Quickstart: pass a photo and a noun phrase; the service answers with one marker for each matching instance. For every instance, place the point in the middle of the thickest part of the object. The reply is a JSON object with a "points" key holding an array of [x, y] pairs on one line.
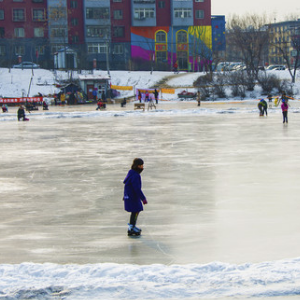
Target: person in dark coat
{"points": [[134, 198], [21, 114], [156, 96]]}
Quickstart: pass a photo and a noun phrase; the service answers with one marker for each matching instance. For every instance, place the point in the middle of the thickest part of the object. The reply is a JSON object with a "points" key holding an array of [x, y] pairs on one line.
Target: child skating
{"points": [[133, 195], [284, 108]]}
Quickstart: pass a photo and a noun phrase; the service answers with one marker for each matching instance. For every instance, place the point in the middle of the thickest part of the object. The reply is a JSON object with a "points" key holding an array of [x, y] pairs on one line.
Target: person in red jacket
{"points": [[134, 198]]}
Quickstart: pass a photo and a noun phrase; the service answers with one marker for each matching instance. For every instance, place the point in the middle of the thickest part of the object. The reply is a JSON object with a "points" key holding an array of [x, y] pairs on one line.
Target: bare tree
{"points": [[250, 36]]}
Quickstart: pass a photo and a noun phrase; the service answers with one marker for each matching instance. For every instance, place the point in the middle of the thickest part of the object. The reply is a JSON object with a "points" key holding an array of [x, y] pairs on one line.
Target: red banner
{"points": [[21, 100]]}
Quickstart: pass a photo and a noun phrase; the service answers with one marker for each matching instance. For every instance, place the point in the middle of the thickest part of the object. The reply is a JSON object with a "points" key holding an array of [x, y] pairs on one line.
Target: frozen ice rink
{"points": [[222, 184]]}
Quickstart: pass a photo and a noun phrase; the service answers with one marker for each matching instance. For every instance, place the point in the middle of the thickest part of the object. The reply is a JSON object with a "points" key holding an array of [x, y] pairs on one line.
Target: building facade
{"points": [[119, 34], [284, 43]]}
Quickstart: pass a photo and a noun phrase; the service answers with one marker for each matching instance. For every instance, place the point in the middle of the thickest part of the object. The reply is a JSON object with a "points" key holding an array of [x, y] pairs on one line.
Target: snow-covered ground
{"points": [[222, 184], [16, 83]]}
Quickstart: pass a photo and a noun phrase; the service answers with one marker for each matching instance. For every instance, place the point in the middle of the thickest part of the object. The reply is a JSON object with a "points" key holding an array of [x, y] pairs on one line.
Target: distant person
{"points": [[21, 114], [133, 195], [57, 99], [103, 96], [45, 105], [63, 98], [95, 94], [156, 96], [123, 103], [199, 98], [151, 104], [263, 107], [147, 97], [4, 108], [270, 97], [71, 99], [175, 67], [99, 104], [284, 108], [140, 96]]}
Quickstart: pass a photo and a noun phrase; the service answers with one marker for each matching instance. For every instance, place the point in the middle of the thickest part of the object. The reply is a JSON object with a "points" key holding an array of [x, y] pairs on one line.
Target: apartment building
{"points": [[284, 42], [124, 34]]}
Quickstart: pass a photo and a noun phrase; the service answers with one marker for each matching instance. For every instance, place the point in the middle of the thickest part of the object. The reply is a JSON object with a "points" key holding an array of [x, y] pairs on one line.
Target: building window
{"points": [[38, 32], [57, 13], [161, 56], [37, 1], [160, 46], [97, 13], [182, 37], [160, 37], [18, 15], [97, 31], [199, 14], [97, 48], [118, 14], [74, 22], [2, 50], [199, 0], [118, 31], [142, 13], [118, 49], [75, 39], [117, 0], [58, 33], [1, 14], [182, 13], [38, 15], [73, 4], [19, 32], [2, 32], [161, 4], [19, 50]]}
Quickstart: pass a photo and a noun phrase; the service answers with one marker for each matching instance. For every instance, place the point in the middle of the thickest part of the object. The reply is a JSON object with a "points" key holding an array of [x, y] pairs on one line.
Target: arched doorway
{"points": [[161, 53]]}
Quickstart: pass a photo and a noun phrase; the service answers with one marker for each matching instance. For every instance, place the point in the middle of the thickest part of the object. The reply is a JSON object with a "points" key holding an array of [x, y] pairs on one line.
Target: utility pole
{"points": [[107, 58], [172, 46]]}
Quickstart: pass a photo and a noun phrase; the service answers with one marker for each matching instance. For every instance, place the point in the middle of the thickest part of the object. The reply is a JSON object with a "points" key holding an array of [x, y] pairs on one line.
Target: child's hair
{"points": [[136, 162]]}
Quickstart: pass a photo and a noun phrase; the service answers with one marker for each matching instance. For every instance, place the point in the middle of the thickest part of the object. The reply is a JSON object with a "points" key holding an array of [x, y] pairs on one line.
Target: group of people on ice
{"points": [[263, 106]]}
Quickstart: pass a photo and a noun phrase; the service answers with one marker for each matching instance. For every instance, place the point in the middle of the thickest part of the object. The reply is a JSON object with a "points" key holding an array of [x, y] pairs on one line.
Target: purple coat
{"points": [[133, 195], [284, 106]]}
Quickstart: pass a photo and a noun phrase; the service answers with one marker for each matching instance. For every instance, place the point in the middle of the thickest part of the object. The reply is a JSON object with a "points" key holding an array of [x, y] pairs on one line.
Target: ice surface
{"points": [[222, 220]]}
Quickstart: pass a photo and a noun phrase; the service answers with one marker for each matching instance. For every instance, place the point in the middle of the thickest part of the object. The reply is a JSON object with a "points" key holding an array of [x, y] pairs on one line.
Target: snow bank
{"points": [[117, 281]]}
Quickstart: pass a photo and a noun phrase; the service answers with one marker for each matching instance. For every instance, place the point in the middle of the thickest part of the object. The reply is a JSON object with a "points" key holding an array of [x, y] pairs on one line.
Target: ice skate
{"points": [[133, 231]]}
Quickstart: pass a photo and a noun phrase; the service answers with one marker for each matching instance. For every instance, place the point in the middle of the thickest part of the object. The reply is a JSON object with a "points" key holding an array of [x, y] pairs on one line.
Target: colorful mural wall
{"points": [[189, 47], [218, 33]]}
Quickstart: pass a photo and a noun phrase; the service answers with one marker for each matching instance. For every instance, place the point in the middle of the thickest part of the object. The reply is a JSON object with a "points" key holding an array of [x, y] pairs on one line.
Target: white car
{"points": [[276, 67], [26, 65]]}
